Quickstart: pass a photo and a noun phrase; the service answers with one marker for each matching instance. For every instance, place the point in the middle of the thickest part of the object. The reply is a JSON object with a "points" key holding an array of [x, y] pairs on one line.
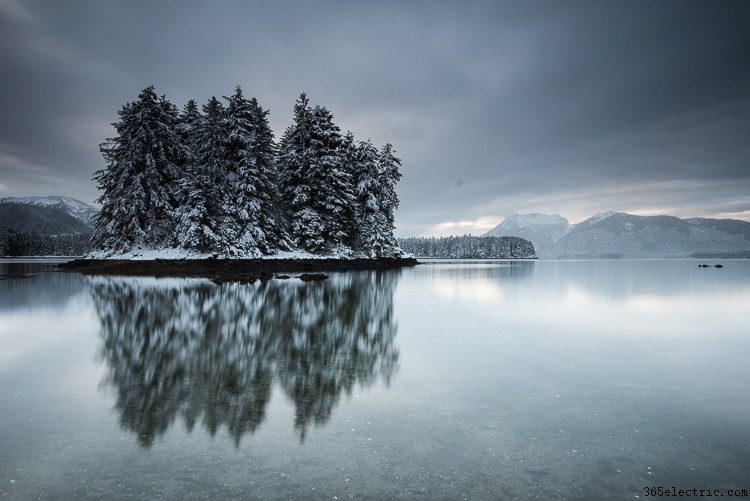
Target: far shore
{"points": [[230, 270]]}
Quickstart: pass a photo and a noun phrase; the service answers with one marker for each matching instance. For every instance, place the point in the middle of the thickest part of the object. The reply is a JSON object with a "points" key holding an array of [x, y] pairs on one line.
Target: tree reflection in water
{"points": [[204, 353]]}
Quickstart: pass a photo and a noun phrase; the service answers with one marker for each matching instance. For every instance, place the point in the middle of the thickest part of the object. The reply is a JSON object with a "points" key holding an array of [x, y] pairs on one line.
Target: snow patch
{"points": [[535, 219], [141, 254], [600, 217]]}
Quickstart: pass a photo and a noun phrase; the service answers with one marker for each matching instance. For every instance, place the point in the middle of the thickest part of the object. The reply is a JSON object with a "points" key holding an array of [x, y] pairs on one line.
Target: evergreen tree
{"points": [[331, 179], [376, 177], [186, 124], [369, 193], [295, 163], [389, 166], [5, 233], [349, 153], [265, 158], [201, 226], [318, 188], [138, 183], [253, 193]]}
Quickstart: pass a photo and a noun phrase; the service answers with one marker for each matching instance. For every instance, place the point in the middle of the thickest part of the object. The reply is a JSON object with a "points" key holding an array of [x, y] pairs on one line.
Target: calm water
{"points": [[477, 380]]}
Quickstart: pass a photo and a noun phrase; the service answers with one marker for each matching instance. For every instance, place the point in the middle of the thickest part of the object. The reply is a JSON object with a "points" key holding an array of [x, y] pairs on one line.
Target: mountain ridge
{"points": [[622, 235], [45, 226], [77, 209]]}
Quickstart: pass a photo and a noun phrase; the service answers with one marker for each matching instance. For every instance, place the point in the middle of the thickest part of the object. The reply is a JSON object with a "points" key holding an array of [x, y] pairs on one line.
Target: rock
{"points": [[308, 277]]}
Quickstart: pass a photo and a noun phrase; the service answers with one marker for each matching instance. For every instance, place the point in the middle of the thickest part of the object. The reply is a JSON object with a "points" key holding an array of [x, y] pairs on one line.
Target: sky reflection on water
{"points": [[488, 380]]}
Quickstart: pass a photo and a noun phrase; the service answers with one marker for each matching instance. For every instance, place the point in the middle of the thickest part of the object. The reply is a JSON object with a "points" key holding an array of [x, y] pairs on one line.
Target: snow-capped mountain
{"points": [[626, 235], [79, 210], [47, 215], [542, 230], [620, 235]]}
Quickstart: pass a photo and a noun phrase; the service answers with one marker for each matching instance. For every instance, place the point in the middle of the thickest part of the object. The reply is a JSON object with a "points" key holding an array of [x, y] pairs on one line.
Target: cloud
{"points": [[475, 227], [16, 12], [24, 177], [494, 107]]}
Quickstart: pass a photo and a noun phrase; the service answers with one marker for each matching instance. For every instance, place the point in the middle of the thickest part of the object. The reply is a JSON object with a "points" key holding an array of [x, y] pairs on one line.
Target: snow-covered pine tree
{"points": [[294, 161], [349, 153], [376, 177], [265, 156], [201, 226], [369, 193], [390, 176], [186, 123], [139, 182], [332, 181], [252, 194]]}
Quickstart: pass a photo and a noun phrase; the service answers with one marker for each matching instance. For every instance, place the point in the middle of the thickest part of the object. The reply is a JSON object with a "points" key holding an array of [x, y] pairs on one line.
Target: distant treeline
{"points": [[24, 243], [468, 247]]}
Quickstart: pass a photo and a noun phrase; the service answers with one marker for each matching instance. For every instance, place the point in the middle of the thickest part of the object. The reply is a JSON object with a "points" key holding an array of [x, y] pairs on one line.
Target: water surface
{"points": [[477, 380]]}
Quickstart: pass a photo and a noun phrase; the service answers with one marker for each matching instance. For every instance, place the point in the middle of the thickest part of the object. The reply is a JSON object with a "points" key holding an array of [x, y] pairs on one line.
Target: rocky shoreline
{"points": [[231, 270]]}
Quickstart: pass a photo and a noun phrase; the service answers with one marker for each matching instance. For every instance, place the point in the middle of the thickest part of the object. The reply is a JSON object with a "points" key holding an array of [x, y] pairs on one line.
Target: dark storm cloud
{"points": [[495, 107]]}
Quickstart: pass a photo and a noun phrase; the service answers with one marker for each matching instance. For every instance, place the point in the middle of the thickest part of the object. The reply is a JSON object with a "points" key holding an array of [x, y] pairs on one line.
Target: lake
{"points": [[449, 380]]}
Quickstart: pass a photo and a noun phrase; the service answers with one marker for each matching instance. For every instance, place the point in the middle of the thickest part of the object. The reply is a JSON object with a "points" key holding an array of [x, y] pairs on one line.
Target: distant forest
{"points": [[28, 230], [469, 247], [25, 243], [214, 180]]}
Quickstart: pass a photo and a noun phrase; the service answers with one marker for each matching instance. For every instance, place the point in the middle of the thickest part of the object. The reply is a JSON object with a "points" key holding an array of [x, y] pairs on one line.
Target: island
{"points": [[209, 192], [233, 270]]}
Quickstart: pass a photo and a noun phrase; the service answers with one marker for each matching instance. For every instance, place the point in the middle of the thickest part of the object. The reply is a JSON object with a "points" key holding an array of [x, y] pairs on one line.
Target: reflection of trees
{"points": [[205, 353], [471, 269]]}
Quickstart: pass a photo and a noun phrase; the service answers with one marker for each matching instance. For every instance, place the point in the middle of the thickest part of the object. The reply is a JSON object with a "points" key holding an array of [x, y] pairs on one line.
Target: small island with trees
{"points": [[213, 184]]}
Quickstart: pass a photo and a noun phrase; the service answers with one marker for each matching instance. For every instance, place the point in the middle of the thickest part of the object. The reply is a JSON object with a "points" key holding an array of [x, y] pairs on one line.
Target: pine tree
{"points": [[389, 166], [368, 191], [139, 181], [317, 186], [376, 177], [253, 193], [201, 226], [264, 153], [186, 123], [349, 153], [295, 164], [332, 180]]}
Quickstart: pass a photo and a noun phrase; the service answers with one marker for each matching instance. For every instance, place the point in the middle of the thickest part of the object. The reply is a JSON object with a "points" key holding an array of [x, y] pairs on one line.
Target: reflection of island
{"points": [[205, 353]]}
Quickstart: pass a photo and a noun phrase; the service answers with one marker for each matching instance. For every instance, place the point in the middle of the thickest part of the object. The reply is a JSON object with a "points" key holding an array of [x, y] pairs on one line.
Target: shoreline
{"points": [[230, 270]]}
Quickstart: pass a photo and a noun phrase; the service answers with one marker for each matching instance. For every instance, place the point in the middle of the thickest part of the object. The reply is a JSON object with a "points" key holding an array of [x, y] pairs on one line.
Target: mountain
{"points": [[542, 230], [620, 235], [80, 210], [47, 215]]}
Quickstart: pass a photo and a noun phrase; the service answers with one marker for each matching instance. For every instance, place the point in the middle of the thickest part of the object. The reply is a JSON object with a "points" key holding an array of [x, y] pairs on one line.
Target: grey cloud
{"points": [[524, 101]]}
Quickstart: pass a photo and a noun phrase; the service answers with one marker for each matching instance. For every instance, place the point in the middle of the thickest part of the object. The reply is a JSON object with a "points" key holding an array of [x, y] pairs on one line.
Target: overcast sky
{"points": [[494, 107]]}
